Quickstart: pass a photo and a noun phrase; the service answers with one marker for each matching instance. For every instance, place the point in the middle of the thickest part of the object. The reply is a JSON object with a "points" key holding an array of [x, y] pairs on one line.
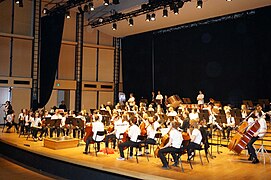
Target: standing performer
{"points": [[200, 99], [173, 146], [159, 98], [259, 134]]}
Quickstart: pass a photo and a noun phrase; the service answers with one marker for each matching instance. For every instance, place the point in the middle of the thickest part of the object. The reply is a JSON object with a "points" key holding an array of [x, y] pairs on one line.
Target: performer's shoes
{"points": [[175, 164], [120, 159], [255, 161], [85, 152], [190, 156], [250, 158], [165, 167]]}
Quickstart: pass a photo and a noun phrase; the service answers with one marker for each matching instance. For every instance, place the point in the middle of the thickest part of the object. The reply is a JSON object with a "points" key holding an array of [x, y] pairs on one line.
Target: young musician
{"points": [[173, 146], [36, 125], [195, 141], [228, 126], [96, 126], [55, 117], [133, 133], [159, 98], [131, 101], [259, 134], [151, 131], [200, 99], [112, 135], [10, 121]]}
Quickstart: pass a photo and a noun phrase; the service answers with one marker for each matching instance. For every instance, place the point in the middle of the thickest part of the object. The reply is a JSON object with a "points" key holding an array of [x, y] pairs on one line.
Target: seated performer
{"points": [[151, 131], [112, 135], [56, 116], [36, 125], [173, 146], [228, 126], [195, 140], [96, 126], [133, 133], [10, 121], [259, 134]]}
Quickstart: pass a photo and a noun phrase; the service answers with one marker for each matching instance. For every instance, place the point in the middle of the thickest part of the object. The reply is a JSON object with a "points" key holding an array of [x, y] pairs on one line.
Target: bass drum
{"points": [[174, 101]]}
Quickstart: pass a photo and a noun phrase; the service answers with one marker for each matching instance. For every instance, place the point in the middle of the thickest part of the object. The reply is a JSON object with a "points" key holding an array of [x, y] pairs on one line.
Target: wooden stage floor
{"points": [[225, 165]]}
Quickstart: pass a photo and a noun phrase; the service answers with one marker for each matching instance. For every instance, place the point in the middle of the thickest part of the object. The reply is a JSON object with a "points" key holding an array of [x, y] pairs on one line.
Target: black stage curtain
{"points": [[51, 36], [228, 60]]}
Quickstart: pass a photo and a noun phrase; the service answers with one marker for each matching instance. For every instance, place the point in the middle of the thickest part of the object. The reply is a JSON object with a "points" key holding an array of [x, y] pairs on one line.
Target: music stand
{"points": [[69, 122]]}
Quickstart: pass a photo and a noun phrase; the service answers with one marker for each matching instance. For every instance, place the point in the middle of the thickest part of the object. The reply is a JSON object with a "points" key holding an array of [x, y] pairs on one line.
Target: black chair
{"points": [[141, 143], [99, 133]]}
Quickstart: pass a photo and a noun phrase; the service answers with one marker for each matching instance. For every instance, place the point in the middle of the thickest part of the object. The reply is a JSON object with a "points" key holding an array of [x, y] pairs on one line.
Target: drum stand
{"points": [[263, 152]]}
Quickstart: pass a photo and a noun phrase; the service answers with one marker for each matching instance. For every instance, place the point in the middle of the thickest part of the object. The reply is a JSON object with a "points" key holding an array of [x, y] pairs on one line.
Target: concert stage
{"points": [[71, 163]]}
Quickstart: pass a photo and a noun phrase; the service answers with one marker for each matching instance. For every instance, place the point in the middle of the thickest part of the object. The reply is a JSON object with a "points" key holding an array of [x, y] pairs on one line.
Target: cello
{"points": [[243, 136], [89, 132]]}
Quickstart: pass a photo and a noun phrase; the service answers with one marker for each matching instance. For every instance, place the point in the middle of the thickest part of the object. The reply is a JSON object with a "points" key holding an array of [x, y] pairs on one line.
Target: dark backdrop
{"points": [[228, 60]]}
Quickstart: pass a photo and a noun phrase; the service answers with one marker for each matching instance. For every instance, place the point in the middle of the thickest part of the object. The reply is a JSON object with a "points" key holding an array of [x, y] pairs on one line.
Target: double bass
{"points": [[243, 136]]}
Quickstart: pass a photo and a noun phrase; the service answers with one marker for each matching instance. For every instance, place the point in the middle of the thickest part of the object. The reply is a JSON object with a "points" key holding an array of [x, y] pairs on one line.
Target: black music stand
{"points": [[55, 124], [69, 122]]}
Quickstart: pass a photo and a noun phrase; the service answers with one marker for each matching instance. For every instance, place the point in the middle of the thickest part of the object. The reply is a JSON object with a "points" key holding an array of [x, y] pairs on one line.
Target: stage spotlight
{"points": [[153, 17], [116, 1], [45, 10], [165, 12], [148, 17], [228, 0], [114, 26], [101, 20], [20, 3], [131, 22], [68, 15], [91, 6], [176, 10], [199, 4], [106, 2]]}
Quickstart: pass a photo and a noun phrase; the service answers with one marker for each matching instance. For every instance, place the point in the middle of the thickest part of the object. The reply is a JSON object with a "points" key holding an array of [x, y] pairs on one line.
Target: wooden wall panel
{"points": [[22, 58], [20, 99], [89, 64], [66, 62], [105, 97], [5, 17], [69, 30], [90, 35], [89, 100], [105, 39], [23, 19], [4, 56], [72, 100], [106, 65]]}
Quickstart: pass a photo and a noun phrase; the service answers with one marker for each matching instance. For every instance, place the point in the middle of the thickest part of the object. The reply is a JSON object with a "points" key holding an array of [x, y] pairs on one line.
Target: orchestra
{"points": [[123, 124]]}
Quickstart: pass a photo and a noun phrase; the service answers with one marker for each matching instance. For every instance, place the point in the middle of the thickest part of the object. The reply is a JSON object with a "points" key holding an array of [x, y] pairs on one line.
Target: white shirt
{"points": [[198, 136], [131, 101], [35, 122], [200, 99], [231, 121], [9, 118], [151, 132], [263, 127], [193, 116], [97, 126], [27, 120], [172, 113], [176, 138], [133, 132], [120, 127]]}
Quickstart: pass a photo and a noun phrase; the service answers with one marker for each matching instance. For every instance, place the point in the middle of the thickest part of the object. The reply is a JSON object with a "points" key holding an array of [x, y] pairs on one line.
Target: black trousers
{"points": [[191, 148], [111, 137], [147, 142], [35, 132], [130, 144], [88, 141], [173, 151], [250, 148], [228, 129]]}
